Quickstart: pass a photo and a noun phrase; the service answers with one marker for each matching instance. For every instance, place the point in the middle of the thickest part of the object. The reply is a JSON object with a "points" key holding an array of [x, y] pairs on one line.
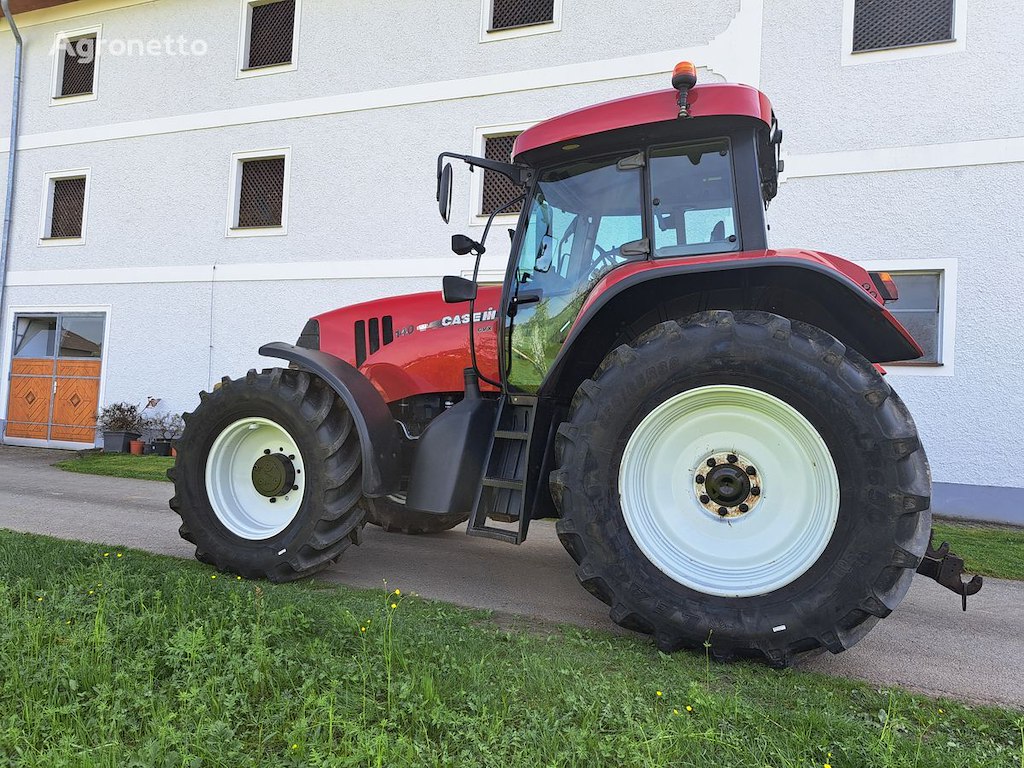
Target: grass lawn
{"points": [[986, 549], [112, 657], [119, 465]]}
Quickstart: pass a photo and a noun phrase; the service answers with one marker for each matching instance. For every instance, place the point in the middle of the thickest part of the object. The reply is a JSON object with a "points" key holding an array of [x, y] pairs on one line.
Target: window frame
{"points": [[957, 44], [476, 179], [488, 35], [245, 37], [57, 65], [946, 268], [235, 192], [46, 209]]}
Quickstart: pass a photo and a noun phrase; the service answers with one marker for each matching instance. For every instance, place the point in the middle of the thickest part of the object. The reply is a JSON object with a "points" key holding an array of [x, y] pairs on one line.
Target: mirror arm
{"points": [[518, 174]]}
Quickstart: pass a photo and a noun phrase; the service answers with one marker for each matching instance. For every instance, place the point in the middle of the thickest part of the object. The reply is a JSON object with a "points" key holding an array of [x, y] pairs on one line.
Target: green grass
{"points": [[986, 549], [119, 465], [111, 657]]}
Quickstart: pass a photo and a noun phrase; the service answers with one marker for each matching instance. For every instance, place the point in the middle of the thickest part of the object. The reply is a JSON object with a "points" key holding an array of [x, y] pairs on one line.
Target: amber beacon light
{"points": [[684, 77]]}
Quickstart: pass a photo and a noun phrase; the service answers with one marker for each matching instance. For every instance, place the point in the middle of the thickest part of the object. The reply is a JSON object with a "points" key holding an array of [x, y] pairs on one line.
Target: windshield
{"points": [[693, 200], [582, 220]]}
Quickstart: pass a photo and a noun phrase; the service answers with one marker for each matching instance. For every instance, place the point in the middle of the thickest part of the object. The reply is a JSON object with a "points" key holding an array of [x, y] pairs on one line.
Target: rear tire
{"points": [[296, 512], [827, 546], [394, 517]]}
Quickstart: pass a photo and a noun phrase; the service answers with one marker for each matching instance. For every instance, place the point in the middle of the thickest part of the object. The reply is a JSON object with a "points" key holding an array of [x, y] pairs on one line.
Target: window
{"points": [[269, 41], [502, 19], [879, 24], [881, 30], [64, 204], [508, 14], [692, 199], [75, 66], [499, 190], [586, 218], [919, 311], [259, 201]]}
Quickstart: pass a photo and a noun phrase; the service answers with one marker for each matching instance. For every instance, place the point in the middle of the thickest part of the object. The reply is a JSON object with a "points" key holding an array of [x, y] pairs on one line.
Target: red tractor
{"points": [[706, 417]]}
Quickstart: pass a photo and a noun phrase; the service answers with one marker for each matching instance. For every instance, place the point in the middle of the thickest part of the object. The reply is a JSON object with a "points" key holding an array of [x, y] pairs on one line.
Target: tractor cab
{"points": [[679, 173]]}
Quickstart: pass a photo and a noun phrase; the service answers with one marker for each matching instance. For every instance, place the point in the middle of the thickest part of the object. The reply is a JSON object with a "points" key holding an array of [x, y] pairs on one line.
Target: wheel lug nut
{"points": [[744, 508], [704, 499], [295, 488], [723, 511], [266, 451], [700, 478], [733, 458], [755, 491], [711, 462], [752, 471], [273, 500]]}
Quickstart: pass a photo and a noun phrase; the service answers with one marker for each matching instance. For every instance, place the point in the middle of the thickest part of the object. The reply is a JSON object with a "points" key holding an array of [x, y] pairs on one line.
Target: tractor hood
{"points": [[414, 344]]}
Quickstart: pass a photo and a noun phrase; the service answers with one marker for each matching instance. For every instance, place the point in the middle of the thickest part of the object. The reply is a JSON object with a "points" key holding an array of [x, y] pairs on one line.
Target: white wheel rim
{"points": [[770, 546], [236, 502]]}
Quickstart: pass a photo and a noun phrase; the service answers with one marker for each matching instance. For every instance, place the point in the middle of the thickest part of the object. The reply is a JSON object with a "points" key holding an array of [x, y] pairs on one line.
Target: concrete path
{"points": [[928, 644]]}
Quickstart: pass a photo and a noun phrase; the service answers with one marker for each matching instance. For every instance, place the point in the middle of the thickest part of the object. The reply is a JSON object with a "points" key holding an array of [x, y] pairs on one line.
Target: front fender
{"points": [[374, 423]]}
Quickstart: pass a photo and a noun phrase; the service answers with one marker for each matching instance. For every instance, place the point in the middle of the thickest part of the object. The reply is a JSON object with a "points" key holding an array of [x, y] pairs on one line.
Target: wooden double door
{"points": [[55, 375]]}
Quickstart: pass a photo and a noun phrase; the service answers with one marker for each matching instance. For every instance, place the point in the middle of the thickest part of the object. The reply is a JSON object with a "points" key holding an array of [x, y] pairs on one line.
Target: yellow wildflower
{"points": [[362, 629], [398, 591], [120, 555], [394, 605], [827, 765], [106, 554], [657, 693], [213, 576], [39, 599], [675, 711], [295, 746], [689, 708], [90, 591]]}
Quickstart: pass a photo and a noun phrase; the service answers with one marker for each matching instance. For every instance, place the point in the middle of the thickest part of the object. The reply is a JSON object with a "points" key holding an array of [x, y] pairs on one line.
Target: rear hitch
{"points": [[948, 569]]}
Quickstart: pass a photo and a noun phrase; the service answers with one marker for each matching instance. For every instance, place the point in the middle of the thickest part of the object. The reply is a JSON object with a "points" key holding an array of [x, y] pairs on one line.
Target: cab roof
{"points": [[712, 99]]}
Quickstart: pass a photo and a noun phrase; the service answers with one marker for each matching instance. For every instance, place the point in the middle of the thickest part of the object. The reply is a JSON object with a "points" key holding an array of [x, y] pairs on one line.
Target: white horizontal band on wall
{"points": [[955, 154]]}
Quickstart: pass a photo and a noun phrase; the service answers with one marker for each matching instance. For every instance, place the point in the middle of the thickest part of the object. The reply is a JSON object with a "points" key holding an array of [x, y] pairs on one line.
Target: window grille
{"points": [[509, 14], [261, 193], [880, 24], [67, 207], [78, 66], [271, 34], [498, 189]]}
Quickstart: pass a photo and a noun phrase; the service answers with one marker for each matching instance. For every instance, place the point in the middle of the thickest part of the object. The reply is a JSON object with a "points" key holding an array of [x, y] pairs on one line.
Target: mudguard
{"points": [[378, 436]]}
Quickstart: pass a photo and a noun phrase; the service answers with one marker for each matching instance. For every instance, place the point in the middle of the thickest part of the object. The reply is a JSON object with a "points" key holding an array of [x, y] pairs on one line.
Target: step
{"points": [[495, 482], [507, 434]]}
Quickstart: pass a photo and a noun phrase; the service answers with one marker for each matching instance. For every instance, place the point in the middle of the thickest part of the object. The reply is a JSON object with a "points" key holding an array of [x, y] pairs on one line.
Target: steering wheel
{"points": [[606, 260]]}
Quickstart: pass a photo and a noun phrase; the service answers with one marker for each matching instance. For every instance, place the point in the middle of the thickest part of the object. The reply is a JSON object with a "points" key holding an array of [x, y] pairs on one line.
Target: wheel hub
{"points": [[273, 475], [727, 485]]}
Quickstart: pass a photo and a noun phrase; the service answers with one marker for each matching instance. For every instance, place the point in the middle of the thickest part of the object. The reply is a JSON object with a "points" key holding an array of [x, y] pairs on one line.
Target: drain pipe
{"points": [[12, 153]]}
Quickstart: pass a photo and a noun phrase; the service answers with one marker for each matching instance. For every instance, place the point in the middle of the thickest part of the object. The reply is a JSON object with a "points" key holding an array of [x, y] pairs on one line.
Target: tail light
{"points": [[885, 286]]}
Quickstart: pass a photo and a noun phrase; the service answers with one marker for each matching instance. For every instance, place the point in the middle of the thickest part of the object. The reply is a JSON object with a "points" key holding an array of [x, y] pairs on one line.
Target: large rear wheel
{"points": [[743, 480], [268, 476]]}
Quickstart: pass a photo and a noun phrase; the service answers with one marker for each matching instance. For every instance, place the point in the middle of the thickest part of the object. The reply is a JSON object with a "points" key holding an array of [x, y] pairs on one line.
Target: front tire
{"points": [[743, 480], [268, 476]]}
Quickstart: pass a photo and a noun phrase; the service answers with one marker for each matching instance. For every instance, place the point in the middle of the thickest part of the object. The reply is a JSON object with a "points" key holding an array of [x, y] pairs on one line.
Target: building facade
{"points": [[195, 179]]}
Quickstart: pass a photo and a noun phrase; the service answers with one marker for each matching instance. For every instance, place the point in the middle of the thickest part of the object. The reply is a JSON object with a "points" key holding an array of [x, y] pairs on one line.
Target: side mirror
{"points": [[444, 192], [546, 255], [462, 245], [457, 290]]}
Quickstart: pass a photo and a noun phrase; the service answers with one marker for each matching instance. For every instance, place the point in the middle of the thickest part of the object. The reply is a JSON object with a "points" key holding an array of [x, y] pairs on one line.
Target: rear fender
{"points": [[796, 288], [378, 437]]}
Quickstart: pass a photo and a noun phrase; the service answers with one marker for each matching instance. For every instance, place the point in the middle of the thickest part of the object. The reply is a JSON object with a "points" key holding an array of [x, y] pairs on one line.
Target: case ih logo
{"points": [[478, 317]]}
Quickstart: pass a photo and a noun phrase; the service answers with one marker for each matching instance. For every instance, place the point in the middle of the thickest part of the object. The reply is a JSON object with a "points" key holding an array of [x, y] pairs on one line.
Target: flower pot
{"points": [[118, 442], [137, 446], [162, 447]]}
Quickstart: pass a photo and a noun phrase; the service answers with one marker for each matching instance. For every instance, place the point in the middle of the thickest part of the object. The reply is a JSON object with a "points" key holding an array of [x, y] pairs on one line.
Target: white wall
{"points": [[362, 173]]}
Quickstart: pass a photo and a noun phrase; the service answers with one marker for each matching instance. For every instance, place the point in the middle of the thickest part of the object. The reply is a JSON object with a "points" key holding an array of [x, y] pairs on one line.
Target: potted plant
{"points": [[121, 423], [164, 428]]}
